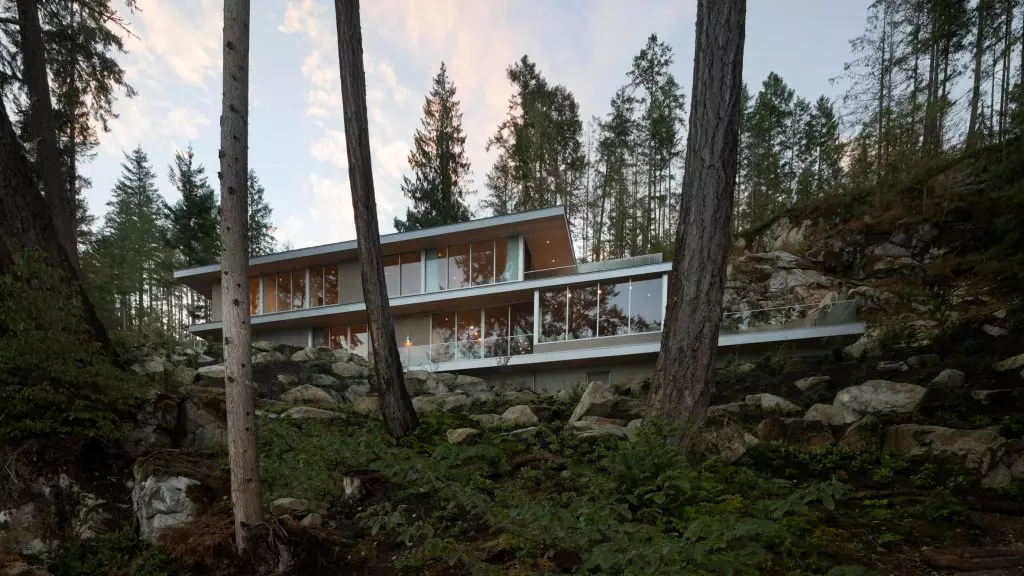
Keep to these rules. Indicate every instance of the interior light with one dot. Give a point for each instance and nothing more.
(547, 241)
(408, 341)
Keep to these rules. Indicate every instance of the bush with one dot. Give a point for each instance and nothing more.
(53, 378)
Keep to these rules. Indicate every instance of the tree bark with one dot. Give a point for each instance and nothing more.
(27, 226)
(58, 196)
(683, 375)
(234, 152)
(395, 406)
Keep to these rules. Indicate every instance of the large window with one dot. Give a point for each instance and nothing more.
(254, 295)
(353, 338)
(285, 291)
(412, 270)
(330, 285)
(591, 310)
(475, 264)
(392, 275)
(493, 332)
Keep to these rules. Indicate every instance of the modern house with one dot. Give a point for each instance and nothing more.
(499, 295)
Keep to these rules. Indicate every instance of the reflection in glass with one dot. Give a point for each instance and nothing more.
(337, 337)
(392, 276)
(359, 340)
(437, 269)
(501, 269)
(552, 315)
(467, 330)
(284, 292)
(316, 286)
(496, 331)
(582, 312)
(254, 295)
(298, 289)
(483, 263)
(331, 285)
(442, 337)
(458, 266)
(411, 273)
(269, 293)
(614, 303)
(645, 306)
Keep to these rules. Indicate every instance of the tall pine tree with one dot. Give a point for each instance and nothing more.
(440, 167)
(261, 229)
(193, 218)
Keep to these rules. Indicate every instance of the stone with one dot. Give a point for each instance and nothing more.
(519, 396)
(730, 409)
(788, 279)
(304, 355)
(1009, 364)
(312, 520)
(162, 501)
(919, 361)
(446, 403)
(635, 386)
(598, 400)
(268, 358)
(307, 393)
(360, 361)
(214, 373)
(463, 435)
(310, 413)
(323, 380)
(863, 435)
(633, 428)
(805, 384)
(865, 346)
(948, 378)
(435, 386)
(153, 365)
(483, 396)
(264, 346)
(520, 416)
(889, 250)
(770, 404)
(744, 368)
(892, 366)
(826, 414)
(595, 429)
(878, 397)
(975, 449)
(356, 391)
(341, 355)
(204, 360)
(465, 380)
(367, 405)
(184, 376)
(290, 506)
(456, 402)
(349, 370)
(795, 431)
(287, 379)
(205, 423)
(995, 331)
(999, 314)
(727, 442)
(489, 421)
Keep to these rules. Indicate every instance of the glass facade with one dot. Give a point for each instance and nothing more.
(591, 310)
(492, 332)
(254, 295)
(474, 264)
(354, 338)
(294, 290)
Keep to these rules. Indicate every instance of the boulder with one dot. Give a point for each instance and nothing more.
(520, 416)
(877, 397)
(435, 386)
(286, 379)
(770, 404)
(805, 384)
(264, 346)
(795, 431)
(919, 361)
(489, 421)
(519, 396)
(1009, 364)
(445, 403)
(892, 366)
(357, 390)
(948, 378)
(310, 413)
(304, 355)
(635, 386)
(598, 400)
(463, 381)
(483, 396)
(184, 376)
(787, 279)
(995, 331)
(864, 435)
(360, 361)
(728, 442)
(725, 410)
(826, 414)
(205, 423)
(349, 370)
(598, 428)
(268, 358)
(367, 405)
(161, 501)
(213, 374)
(307, 393)
(323, 380)
(975, 449)
(312, 520)
(153, 365)
(204, 360)
(290, 506)
(462, 435)
(865, 346)
(341, 355)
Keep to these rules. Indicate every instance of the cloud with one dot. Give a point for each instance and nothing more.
(330, 149)
(183, 35)
(183, 122)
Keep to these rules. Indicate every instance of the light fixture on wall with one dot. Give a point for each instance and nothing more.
(408, 341)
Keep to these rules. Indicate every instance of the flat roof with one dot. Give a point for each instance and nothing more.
(547, 224)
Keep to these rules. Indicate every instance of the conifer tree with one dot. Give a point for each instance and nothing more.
(261, 237)
(440, 167)
(194, 217)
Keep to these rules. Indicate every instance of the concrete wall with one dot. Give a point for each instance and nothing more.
(550, 379)
(350, 283)
(588, 343)
(416, 327)
(292, 337)
(217, 305)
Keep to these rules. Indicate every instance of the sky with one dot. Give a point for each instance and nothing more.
(296, 131)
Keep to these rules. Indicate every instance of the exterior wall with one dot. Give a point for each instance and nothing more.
(588, 343)
(350, 282)
(547, 380)
(293, 337)
(217, 305)
(416, 327)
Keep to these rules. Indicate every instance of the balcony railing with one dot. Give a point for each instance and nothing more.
(789, 317)
(601, 266)
(498, 348)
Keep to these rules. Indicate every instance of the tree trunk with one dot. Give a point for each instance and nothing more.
(58, 197)
(399, 417)
(234, 160)
(979, 53)
(682, 376)
(26, 225)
